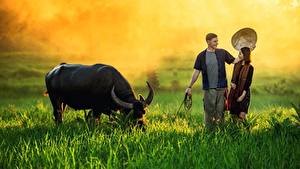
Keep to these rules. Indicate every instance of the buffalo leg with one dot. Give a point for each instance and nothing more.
(63, 106)
(97, 115)
(57, 108)
(88, 116)
(110, 116)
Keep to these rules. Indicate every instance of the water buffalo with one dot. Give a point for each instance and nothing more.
(98, 87)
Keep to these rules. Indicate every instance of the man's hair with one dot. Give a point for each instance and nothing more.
(210, 36)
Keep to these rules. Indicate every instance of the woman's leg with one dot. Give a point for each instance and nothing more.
(244, 106)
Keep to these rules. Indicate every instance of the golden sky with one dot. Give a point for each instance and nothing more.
(141, 32)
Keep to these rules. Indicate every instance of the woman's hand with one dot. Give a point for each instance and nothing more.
(233, 85)
(241, 98)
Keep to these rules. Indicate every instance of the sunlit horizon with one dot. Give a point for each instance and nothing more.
(141, 33)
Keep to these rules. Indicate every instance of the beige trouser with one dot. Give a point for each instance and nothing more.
(214, 101)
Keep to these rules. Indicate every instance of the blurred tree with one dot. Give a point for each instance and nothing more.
(175, 85)
(153, 79)
(10, 31)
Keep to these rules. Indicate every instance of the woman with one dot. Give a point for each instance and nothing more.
(239, 96)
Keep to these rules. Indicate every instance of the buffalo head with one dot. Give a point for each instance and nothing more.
(138, 106)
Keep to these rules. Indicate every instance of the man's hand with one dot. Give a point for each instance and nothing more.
(188, 91)
(239, 58)
(233, 86)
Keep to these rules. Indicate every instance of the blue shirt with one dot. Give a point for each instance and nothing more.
(222, 57)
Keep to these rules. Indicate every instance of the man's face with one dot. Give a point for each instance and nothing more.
(213, 43)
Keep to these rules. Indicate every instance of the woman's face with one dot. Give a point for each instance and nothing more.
(245, 52)
(241, 56)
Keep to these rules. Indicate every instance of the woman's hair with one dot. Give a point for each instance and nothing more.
(246, 53)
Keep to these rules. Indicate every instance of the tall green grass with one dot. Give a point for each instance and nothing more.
(30, 139)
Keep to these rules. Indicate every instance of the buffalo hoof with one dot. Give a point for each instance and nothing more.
(58, 122)
(93, 121)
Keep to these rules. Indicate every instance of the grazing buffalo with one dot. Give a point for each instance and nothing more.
(98, 87)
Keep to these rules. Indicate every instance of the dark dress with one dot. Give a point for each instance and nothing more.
(234, 106)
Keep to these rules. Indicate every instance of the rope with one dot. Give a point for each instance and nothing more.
(187, 102)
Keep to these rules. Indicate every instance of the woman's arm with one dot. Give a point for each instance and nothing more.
(241, 98)
(235, 73)
(247, 84)
(249, 78)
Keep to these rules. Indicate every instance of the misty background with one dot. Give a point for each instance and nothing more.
(140, 34)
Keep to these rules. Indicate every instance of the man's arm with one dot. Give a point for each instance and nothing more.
(237, 59)
(194, 77)
(197, 69)
(230, 59)
(193, 80)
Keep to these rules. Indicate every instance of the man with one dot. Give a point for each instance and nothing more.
(211, 62)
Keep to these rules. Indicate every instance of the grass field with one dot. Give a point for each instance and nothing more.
(30, 139)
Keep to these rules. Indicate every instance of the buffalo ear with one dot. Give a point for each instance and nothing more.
(141, 98)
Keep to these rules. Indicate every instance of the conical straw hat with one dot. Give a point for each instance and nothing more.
(245, 37)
